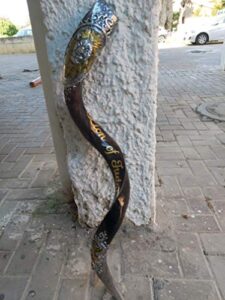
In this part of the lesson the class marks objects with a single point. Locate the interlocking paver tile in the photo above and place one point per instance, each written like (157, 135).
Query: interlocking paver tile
(218, 264)
(4, 258)
(78, 257)
(12, 288)
(184, 289)
(46, 274)
(14, 155)
(175, 205)
(215, 163)
(17, 168)
(214, 192)
(43, 178)
(26, 254)
(219, 151)
(205, 152)
(14, 183)
(5, 150)
(6, 212)
(170, 186)
(137, 287)
(213, 244)
(7, 242)
(191, 256)
(219, 174)
(73, 289)
(156, 263)
(219, 207)
(27, 194)
(195, 223)
(200, 207)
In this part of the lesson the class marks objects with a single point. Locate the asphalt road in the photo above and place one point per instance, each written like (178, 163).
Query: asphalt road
(192, 57)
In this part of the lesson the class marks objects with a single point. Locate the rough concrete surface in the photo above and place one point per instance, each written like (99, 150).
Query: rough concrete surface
(120, 93)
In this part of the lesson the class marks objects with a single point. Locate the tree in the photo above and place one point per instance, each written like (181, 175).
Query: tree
(7, 28)
(185, 10)
(218, 5)
(166, 14)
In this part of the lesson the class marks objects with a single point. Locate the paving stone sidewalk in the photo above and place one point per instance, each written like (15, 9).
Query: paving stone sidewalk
(44, 253)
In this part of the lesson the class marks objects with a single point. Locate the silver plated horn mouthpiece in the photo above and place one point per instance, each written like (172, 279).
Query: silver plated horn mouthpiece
(101, 16)
(88, 41)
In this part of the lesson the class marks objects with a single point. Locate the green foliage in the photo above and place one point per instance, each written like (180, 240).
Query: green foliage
(218, 5)
(197, 12)
(176, 16)
(7, 28)
(221, 4)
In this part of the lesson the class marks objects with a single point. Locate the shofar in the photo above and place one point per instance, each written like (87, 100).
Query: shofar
(83, 49)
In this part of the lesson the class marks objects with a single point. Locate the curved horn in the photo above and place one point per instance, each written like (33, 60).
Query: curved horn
(82, 51)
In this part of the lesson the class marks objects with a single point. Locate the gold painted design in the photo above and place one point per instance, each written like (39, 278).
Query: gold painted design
(121, 201)
(96, 128)
(75, 72)
(117, 165)
(110, 150)
(99, 132)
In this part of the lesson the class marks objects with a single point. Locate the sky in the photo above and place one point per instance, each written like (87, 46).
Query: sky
(15, 10)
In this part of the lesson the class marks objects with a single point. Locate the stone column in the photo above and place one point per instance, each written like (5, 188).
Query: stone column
(119, 93)
(223, 57)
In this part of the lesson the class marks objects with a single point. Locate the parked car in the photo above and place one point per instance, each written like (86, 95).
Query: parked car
(201, 35)
(24, 32)
(162, 35)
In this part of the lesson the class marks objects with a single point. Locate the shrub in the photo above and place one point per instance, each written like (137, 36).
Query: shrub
(218, 5)
(7, 28)
(176, 16)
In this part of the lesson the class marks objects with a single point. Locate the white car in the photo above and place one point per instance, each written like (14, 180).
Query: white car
(24, 32)
(203, 34)
(162, 35)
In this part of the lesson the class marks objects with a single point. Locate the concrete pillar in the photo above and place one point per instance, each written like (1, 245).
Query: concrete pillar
(223, 57)
(119, 93)
(39, 31)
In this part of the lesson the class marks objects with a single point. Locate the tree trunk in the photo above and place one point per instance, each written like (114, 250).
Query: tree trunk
(166, 14)
(181, 17)
(185, 10)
